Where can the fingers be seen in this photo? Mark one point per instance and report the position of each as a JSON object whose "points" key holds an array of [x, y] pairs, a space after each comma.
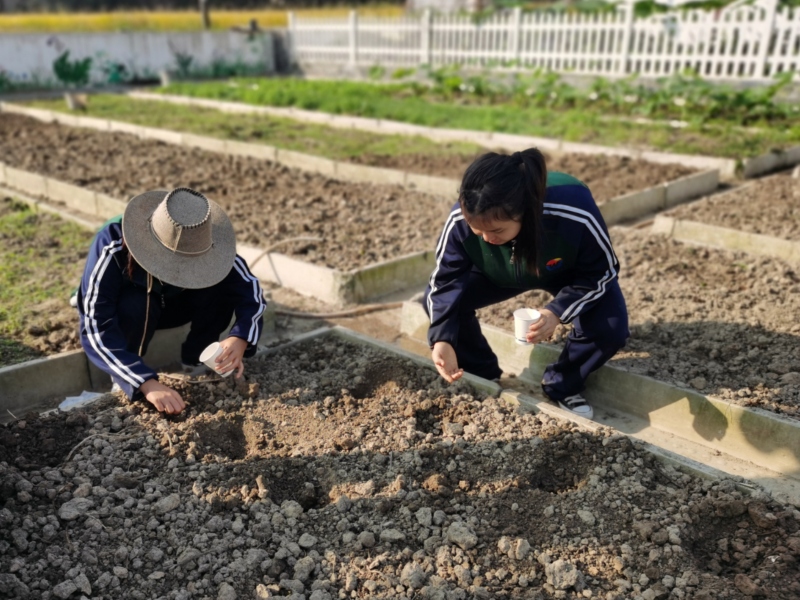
{"points": [[166, 401], [449, 375], [239, 370]]}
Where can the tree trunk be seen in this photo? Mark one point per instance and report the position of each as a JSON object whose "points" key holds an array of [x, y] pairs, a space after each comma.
{"points": [[204, 14]]}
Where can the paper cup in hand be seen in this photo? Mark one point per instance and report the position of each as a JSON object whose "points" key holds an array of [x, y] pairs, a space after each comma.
{"points": [[209, 357], [523, 319]]}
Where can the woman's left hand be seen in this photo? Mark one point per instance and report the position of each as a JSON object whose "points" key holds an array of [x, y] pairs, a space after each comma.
{"points": [[544, 328], [231, 358]]}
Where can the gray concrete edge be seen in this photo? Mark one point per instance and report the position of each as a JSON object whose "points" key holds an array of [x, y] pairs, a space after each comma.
{"points": [[694, 232], [336, 287], [752, 435], [726, 166], [622, 208], [521, 400]]}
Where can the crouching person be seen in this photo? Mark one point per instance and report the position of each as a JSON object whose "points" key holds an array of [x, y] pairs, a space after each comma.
{"points": [[169, 260]]}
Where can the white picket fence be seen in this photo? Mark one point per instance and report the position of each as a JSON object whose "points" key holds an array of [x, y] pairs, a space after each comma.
{"points": [[739, 42]]}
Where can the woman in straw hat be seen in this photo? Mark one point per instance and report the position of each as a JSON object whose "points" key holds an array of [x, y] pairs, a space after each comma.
{"points": [[170, 261]]}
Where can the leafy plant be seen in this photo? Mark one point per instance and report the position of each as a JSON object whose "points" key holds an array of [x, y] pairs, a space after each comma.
{"points": [[376, 72], [72, 72], [402, 73], [5, 82]]}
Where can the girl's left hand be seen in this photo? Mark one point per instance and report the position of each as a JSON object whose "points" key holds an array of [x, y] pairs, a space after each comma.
{"points": [[231, 358], [544, 328]]}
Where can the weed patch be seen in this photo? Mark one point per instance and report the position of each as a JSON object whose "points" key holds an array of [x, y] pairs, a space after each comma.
{"points": [[41, 260]]}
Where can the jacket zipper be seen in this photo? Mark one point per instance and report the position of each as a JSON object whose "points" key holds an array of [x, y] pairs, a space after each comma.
{"points": [[513, 261]]}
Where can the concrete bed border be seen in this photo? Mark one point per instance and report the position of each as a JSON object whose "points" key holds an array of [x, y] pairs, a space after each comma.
{"points": [[507, 141], [516, 398], [42, 383], [728, 167], [622, 208], [90, 378], [763, 439], [693, 232], [329, 285]]}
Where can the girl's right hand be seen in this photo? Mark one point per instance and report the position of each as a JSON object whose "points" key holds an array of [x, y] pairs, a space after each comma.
{"points": [[164, 398], [444, 358]]}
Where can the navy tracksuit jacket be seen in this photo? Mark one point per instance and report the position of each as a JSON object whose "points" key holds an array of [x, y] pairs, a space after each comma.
{"points": [[577, 265], [115, 323]]}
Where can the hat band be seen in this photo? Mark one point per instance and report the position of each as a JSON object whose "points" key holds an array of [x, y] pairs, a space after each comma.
{"points": [[177, 241]]}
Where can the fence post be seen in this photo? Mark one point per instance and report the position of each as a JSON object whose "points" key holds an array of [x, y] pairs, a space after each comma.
{"points": [[515, 36], [765, 30], [627, 35], [425, 34], [353, 39], [291, 47]]}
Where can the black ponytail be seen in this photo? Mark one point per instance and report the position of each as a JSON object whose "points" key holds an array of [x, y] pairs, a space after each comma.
{"points": [[502, 187]]}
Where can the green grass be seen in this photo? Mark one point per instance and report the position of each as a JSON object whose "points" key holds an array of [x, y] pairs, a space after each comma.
{"points": [[409, 103], [337, 144], [41, 259]]}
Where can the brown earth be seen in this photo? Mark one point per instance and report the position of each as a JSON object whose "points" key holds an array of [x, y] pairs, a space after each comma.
{"points": [[337, 471], [607, 176], [358, 224], [769, 206], [723, 323], [685, 304]]}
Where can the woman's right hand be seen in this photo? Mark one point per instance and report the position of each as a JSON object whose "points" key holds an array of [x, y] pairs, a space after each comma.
{"points": [[164, 398], [444, 358]]}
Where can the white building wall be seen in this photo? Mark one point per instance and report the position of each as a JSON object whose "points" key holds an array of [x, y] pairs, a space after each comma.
{"points": [[29, 58]]}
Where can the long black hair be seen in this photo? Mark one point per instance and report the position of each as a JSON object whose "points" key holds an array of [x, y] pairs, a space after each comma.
{"points": [[509, 187]]}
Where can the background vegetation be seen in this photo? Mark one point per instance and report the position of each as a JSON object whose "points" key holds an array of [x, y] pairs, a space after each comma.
{"points": [[682, 113], [141, 20]]}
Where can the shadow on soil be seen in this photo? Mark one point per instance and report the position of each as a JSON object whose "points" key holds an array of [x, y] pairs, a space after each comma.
{"points": [[758, 367], [13, 352]]}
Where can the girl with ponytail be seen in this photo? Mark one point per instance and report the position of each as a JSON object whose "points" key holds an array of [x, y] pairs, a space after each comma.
{"points": [[517, 227]]}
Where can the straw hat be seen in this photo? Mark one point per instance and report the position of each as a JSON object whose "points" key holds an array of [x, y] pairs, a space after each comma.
{"points": [[180, 237]]}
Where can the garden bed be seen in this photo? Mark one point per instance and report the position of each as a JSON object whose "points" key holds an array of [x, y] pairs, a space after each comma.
{"points": [[401, 153], [538, 105], [359, 224], [341, 470], [770, 206], [716, 321], [41, 261]]}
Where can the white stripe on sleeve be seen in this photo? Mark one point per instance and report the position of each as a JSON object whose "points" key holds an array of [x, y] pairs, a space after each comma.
{"points": [[93, 331], [454, 217], [582, 216], [241, 268]]}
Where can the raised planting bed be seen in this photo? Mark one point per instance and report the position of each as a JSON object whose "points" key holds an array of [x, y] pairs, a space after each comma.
{"points": [[714, 321], [40, 263], [639, 187], [747, 152], [341, 469], [762, 217], [386, 228]]}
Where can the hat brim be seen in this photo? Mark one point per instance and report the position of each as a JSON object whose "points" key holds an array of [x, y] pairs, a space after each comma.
{"points": [[191, 272]]}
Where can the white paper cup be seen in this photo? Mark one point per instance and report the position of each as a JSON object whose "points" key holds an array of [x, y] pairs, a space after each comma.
{"points": [[209, 356], [523, 319]]}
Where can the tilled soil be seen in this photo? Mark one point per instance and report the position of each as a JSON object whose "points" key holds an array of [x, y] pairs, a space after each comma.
{"points": [[723, 323], [769, 206], [607, 176], [358, 224], [338, 471]]}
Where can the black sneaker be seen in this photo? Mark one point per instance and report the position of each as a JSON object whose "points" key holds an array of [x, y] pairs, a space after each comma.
{"points": [[576, 404], [194, 370]]}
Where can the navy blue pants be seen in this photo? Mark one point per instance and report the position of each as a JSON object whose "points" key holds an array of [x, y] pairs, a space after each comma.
{"points": [[597, 334], [208, 310]]}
